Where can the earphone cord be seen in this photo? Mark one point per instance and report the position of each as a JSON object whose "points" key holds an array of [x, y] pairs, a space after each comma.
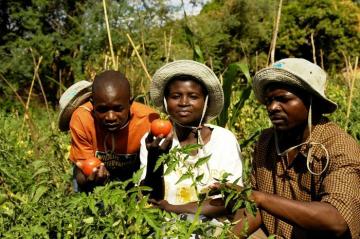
{"points": [[309, 158]]}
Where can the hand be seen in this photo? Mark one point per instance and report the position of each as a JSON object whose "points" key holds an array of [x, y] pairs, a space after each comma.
{"points": [[218, 187], [100, 175], [162, 204], [153, 143]]}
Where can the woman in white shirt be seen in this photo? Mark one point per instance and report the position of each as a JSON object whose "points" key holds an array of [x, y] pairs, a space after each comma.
{"points": [[191, 94]]}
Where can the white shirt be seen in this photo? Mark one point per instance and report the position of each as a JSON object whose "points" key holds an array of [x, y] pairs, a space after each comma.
{"points": [[225, 157]]}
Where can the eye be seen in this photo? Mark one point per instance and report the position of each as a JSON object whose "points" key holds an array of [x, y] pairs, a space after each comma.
{"points": [[119, 108], [174, 96], [101, 109], [194, 96]]}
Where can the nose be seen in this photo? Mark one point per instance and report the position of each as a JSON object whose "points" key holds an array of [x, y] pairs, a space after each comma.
{"points": [[184, 100], [273, 106], [110, 116]]}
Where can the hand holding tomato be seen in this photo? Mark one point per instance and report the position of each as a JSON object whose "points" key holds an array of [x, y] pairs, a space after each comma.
{"points": [[161, 127], [88, 166]]}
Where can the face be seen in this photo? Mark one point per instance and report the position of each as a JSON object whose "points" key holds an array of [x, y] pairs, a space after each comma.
{"points": [[285, 108], [111, 107], [185, 101]]}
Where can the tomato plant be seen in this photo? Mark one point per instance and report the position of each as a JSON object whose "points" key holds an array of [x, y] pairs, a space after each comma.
{"points": [[160, 126], [88, 166]]}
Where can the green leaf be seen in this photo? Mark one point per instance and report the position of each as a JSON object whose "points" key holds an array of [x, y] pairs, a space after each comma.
{"points": [[88, 220], [160, 161], [199, 178], [184, 177], [228, 198], [151, 222], [40, 191], [188, 149], [137, 176], [202, 161], [239, 204], [40, 171], [170, 168]]}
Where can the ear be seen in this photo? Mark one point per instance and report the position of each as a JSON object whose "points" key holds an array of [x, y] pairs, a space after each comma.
{"points": [[131, 100]]}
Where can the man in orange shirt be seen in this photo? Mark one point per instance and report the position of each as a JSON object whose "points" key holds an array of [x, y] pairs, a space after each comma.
{"points": [[108, 127]]}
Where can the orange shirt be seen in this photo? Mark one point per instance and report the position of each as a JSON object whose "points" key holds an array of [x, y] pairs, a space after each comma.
{"points": [[116, 149]]}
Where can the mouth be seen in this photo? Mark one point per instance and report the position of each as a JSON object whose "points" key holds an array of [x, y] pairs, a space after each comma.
{"points": [[277, 119], [184, 113], [112, 127]]}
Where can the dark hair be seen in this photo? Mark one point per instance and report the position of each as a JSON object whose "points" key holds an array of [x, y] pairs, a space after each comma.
{"points": [[185, 78], [110, 77]]}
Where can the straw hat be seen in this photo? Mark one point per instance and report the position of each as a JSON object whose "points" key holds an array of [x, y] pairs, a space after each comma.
{"points": [[194, 69], [296, 72], [73, 97]]}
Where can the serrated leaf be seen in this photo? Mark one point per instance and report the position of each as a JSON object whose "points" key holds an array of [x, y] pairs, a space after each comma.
{"points": [[239, 204], [190, 148], [228, 198], [199, 178], [137, 176], [151, 222], [159, 162], [40, 191], [40, 171], [202, 161], [170, 168], [184, 177]]}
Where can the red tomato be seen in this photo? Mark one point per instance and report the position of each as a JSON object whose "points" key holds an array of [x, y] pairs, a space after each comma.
{"points": [[160, 126], [88, 166]]}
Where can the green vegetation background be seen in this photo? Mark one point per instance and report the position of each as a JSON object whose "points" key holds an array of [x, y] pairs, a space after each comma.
{"points": [[68, 42]]}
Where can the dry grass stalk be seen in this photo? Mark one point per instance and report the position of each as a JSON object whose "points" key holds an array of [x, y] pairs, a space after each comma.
{"points": [[139, 57], [322, 58], [352, 78], [40, 84], [169, 47], [275, 33], [165, 44], [115, 67], [26, 114], [29, 119], [313, 47]]}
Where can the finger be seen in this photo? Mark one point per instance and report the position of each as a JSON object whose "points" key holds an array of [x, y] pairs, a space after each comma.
{"points": [[150, 138], [92, 176], [153, 201], [215, 185], [101, 173], [166, 144]]}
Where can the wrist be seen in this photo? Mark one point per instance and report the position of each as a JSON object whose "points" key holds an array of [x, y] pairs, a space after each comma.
{"points": [[258, 198]]}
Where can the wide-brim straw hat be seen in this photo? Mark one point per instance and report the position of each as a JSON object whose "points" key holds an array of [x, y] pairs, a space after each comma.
{"points": [[195, 69], [72, 98], [296, 72]]}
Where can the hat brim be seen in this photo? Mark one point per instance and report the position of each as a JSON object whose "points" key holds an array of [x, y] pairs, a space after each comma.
{"points": [[66, 113], [194, 69], [273, 75]]}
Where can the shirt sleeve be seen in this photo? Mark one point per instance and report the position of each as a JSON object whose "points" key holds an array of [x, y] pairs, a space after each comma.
{"points": [[341, 187], [228, 155], [81, 144]]}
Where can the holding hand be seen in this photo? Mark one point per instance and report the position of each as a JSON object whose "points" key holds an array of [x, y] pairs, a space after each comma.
{"points": [[158, 145]]}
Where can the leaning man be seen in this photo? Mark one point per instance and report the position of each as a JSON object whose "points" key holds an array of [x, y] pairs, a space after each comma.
{"points": [[306, 169]]}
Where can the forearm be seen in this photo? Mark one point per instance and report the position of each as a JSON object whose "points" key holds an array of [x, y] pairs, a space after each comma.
{"points": [[207, 208], [155, 180], [308, 215]]}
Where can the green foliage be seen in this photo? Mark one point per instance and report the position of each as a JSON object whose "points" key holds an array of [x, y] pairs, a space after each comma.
{"points": [[178, 157], [334, 25], [37, 201]]}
